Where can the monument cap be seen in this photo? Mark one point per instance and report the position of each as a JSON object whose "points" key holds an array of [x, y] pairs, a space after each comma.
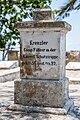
{"points": [[43, 14]]}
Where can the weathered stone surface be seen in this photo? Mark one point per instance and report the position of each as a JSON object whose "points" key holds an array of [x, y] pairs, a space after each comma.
{"points": [[41, 92], [8, 64], [43, 14], [74, 76], [44, 110], [72, 56], [73, 66], [44, 18], [58, 25], [12, 55], [73, 72], [43, 54], [16, 112], [9, 74], [42, 62]]}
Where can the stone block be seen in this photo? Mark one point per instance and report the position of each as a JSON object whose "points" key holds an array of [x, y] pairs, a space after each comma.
{"points": [[73, 66], [43, 14], [8, 64], [9, 74], [73, 56], [46, 61], [12, 55], [45, 93]]}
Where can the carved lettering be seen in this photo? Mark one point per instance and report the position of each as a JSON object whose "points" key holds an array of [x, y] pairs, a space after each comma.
{"points": [[38, 43]]}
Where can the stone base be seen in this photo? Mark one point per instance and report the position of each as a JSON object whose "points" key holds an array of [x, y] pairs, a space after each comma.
{"points": [[43, 110], [41, 93]]}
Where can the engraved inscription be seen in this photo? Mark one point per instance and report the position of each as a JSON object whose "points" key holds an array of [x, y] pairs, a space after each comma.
{"points": [[40, 55]]}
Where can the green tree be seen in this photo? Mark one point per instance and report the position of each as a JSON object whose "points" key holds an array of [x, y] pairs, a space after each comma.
{"points": [[68, 7], [11, 12]]}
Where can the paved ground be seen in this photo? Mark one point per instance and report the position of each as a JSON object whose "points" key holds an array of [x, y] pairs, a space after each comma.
{"points": [[6, 98]]}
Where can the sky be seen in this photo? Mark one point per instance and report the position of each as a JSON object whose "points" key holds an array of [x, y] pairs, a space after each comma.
{"points": [[73, 36]]}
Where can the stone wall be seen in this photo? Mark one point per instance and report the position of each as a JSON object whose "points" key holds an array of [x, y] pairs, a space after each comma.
{"points": [[72, 56]]}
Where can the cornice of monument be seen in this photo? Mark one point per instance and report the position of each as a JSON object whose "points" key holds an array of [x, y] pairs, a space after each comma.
{"points": [[44, 18], [44, 24]]}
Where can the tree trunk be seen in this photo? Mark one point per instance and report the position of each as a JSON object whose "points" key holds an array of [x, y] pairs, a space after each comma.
{"points": [[3, 55]]}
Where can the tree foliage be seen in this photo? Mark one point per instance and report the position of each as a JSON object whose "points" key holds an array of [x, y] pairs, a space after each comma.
{"points": [[12, 11], [69, 6]]}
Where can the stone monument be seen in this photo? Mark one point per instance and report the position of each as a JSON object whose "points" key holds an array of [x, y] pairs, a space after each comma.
{"points": [[12, 55], [42, 82]]}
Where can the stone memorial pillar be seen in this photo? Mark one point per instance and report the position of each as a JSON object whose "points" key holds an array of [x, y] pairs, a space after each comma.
{"points": [[42, 80]]}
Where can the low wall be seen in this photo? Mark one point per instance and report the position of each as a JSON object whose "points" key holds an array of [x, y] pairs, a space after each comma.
{"points": [[72, 56], [9, 74]]}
